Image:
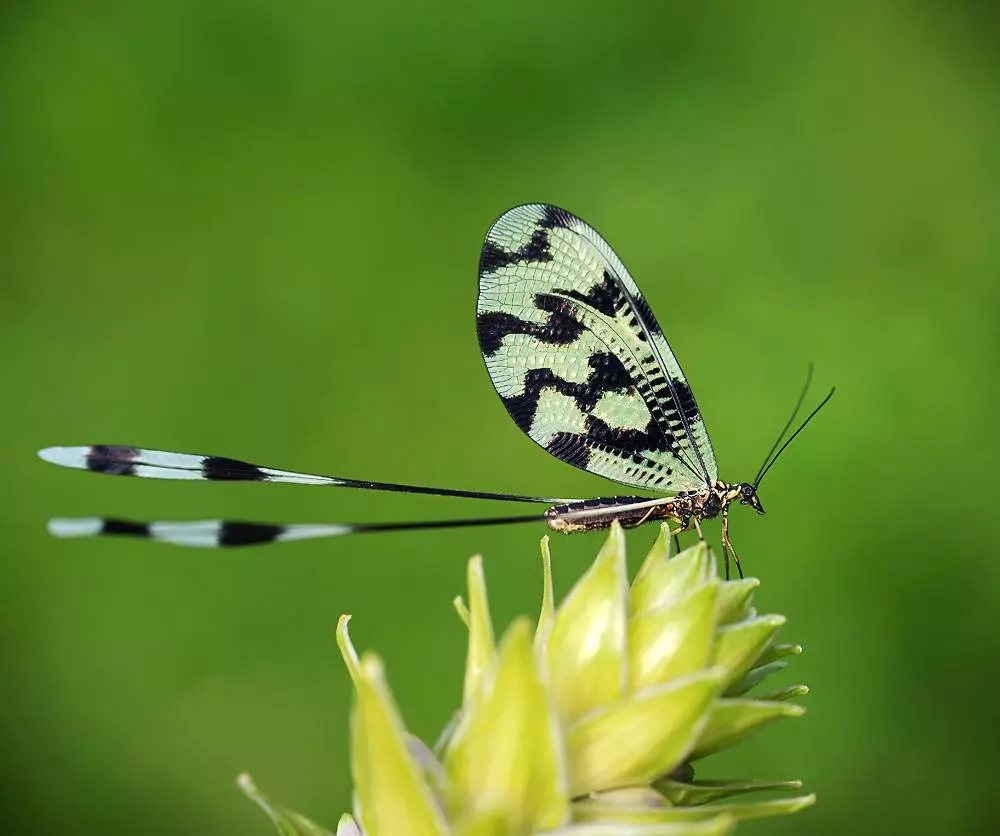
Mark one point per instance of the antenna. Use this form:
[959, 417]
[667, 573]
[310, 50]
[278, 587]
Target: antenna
[791, 438]
[788, 423]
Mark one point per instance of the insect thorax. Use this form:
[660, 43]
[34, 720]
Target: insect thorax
[712, 501]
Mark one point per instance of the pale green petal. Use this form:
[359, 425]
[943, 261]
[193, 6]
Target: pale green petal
[665, 582]
[644, 796]
[430, 766]
[659, 553]
[287, 822]
[347, 651]
[738, 646]
[482, 647]
[461, 609]
[547, 615]
[730, 721]
[773, 652]
[348, 827]
[446, 733]
[754, 677]
[585, 658]
[702, 792]
[392, 797]
[504, 763]
[672, 641]
[482, 824]
[718, 826]
[788, 693]
[640, 737]
[734, 599]
[594, 811]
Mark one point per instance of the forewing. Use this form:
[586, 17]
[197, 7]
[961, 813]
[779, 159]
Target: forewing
[578, 358]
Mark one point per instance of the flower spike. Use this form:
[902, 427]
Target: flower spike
[587, 725]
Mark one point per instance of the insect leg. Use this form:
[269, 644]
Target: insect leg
[736, 558]
[683, 524]
[725, 541]
[727, 546]
[645, 517]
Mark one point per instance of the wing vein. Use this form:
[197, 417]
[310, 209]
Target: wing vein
[665, 433]
[703, 470]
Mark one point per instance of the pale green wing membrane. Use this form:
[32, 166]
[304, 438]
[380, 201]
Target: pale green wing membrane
[578, 358]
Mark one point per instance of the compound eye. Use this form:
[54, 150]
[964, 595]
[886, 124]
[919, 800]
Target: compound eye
[747, 491]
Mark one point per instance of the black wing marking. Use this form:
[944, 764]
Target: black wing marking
[578, 358]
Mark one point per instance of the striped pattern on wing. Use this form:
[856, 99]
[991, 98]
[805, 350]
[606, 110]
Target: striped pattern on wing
[578, 358]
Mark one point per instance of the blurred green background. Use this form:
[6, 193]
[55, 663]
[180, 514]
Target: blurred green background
[253, 229]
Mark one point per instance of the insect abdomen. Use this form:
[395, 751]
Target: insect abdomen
[594, 514]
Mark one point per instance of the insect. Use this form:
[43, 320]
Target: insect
[582, 367]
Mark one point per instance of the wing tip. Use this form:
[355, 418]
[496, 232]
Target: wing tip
[69, 527]
[75, 457]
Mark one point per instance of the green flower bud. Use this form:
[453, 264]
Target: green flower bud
[589, 724]
[586, 657]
